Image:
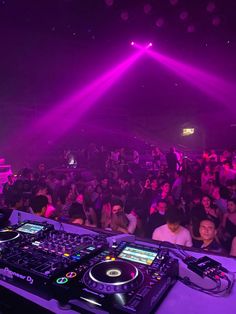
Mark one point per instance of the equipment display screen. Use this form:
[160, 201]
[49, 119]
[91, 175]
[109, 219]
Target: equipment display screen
[138, 255]
[90, 248]
[30, 228]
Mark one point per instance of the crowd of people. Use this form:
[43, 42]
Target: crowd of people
[172, 198]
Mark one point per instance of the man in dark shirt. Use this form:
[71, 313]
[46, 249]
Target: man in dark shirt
[149, 195]
[208, 232]
[172, 160]
[157, 218]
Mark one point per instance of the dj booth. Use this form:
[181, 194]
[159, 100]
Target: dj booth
[52, 267]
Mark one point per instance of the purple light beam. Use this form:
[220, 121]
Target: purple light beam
[221, 90]
[62, 117]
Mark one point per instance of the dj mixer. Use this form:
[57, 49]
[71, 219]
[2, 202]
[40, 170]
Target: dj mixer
[83, 271]
[32, 253]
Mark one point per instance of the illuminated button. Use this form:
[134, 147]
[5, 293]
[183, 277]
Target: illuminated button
[78, 254]
[108, 257]
[75, 258]
[217, 277]
[113, 259]
[158, 278]
[61, 280]
[71, 274]
[66, 254]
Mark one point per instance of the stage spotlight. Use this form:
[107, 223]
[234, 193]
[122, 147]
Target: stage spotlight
[148, 46]
[141, 47]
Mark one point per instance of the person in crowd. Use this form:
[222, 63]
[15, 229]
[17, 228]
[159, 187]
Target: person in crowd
[172, 231]
[65, 198]
[115, 157]
[121, 221]
[225, 156]
[39, 205]
[208, 231]
[50, 211]
[105, 185]
[135, 188]
[165, 194]
[77, 214]
[226, 173]
[234, 165]
[156, 157]
[210, 210]
[42, 170]
[172, 161]
[16, 202]
[177, 186]
[8, 187]
[129, 210]
[205, 156]
[43, 190]
[91, 217]
[206, 176]
[196, 214]
[136, 157]
[137, 211]
[149, 194]
[6, 210]
[213, 156]
[106, 211]
[231, 186]
[228, 227]
[124, 184]
[61, 212]
[157, 217]
[220, 194]
[180, 157]
[233, 247]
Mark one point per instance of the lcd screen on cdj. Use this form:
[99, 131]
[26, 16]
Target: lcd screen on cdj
[138, 255]
[30, 228]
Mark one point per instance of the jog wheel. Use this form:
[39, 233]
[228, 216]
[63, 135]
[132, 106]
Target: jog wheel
[113, 277]
[6, 236]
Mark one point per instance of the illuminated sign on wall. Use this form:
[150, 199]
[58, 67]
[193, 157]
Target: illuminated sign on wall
[188, 131]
